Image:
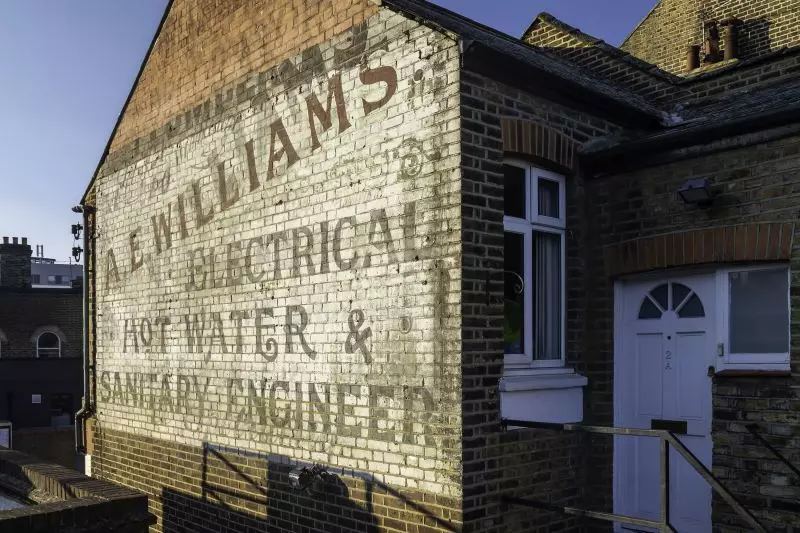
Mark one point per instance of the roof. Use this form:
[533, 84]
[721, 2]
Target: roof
[599, 44]
[469, 30]
[770, 106]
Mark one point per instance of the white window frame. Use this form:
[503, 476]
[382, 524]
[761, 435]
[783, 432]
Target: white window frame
[749, 361]
[533, 222]
[49, 350]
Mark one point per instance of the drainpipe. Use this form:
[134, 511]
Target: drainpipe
[86, 408]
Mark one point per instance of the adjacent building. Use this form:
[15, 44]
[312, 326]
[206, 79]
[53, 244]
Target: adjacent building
[40, 357]
[47, 272]
[340, 253]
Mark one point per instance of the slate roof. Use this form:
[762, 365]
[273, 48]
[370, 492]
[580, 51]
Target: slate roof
[775, 103]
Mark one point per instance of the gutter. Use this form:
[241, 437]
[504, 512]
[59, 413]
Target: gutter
[710, 132]
[87, 407]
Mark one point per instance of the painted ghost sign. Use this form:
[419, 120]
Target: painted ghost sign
[288, 277]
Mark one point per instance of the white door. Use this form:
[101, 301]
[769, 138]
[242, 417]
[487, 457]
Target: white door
[664, 348]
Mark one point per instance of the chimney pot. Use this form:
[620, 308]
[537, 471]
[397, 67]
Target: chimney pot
[730, 39]
[693, 59]
[14, 240]
[24, 240]
[5, 240]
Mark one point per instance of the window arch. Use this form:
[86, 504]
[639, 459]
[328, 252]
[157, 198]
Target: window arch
[670, 296]
[48, 345]
[49, 341]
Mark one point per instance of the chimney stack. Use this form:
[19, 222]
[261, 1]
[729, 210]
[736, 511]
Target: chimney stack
[15, 263]
[730, 39]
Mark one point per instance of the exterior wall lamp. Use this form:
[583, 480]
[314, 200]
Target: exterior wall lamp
[696, 192]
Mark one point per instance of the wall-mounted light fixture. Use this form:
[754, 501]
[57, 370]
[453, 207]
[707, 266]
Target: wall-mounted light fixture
[76, 253]
[697, 192]
[76, 231]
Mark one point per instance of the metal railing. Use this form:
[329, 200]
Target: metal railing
[753, 429]
[666, 439]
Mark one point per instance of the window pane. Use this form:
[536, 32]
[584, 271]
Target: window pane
[548, 198]
[514, 187]
[759, 311]
[692, 309]
[48, 340]
[649, 310]
[546, 293]
[659, 295]
[514, 306]
[679, 294]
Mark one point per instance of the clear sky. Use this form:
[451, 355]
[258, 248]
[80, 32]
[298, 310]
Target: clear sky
[68, 67]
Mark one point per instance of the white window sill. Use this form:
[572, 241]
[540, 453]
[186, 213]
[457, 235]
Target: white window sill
[542, 395]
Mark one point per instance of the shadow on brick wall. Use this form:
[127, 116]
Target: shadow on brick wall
[243, 491]
[754, 38]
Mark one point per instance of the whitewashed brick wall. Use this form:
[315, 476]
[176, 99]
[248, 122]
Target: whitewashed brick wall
[387, 403]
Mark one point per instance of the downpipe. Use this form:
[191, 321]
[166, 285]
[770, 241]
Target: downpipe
[86, 408]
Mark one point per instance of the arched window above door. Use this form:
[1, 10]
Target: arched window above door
[675, 297]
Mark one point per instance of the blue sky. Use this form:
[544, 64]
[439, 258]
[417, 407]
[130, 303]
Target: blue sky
[68, 67]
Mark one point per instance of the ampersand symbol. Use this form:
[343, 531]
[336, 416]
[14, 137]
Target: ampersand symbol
[357, 339]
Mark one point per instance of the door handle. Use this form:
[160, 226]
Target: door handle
[673, 426]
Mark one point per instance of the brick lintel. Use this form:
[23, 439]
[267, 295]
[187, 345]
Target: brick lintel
[753, 242]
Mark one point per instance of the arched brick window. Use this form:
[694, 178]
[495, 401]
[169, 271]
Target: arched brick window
[48, 345]
[49, 342]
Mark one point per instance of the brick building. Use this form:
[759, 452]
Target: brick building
[40, 345]
[339, 242]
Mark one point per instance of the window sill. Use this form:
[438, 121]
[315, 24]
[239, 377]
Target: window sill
[752, 373]
[731, 368]
[551, 395]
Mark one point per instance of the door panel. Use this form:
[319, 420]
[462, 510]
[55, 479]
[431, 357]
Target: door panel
[691, 376]
[689, 492]
[649, 347]
[665, 347]
[646, 493]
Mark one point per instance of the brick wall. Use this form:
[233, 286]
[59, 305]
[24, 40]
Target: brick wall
[60, 499]
[758, 184]
[278, 275]
[543, 465]
[208, 488]
[555, 38]
[664, 36]
[15, 263]
[24, 313]
[246, 35]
